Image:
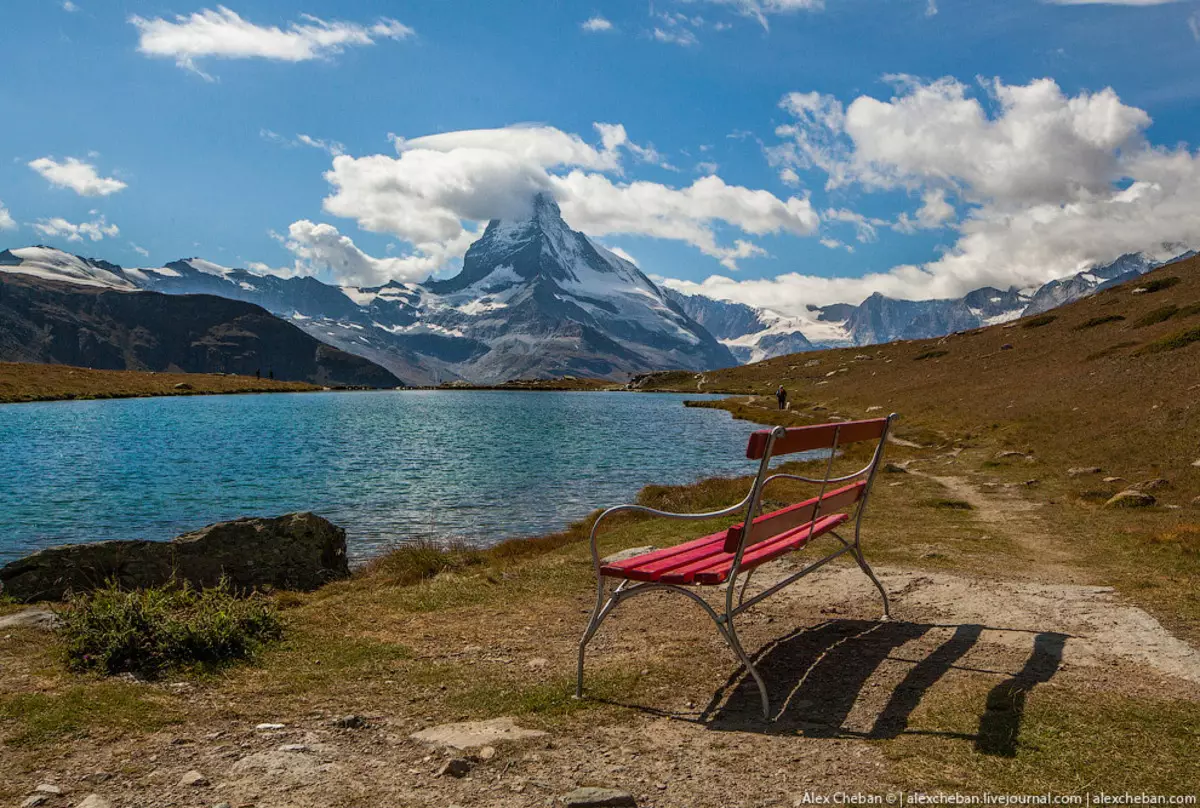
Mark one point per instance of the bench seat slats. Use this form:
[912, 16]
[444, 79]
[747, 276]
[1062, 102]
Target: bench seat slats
[770, 549]
[705, 560]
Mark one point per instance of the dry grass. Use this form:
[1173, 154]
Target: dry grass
[27, 382]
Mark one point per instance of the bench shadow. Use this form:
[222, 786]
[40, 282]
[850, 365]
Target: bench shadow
[816, 676]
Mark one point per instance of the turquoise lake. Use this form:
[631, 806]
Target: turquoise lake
[389, 467]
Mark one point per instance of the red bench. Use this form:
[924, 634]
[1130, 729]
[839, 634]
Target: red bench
[718, 559]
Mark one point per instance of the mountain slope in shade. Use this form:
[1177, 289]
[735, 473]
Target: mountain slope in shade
[90, 325]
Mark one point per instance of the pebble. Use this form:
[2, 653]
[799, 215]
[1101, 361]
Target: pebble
[487, 753]
[47, 788]
[599, 798]
[94, 801]
[269, 727]
[350, 722]
[293, 747]
[193, 778]
[34, 800]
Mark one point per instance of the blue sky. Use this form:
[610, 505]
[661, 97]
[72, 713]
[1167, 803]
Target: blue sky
[930, 148]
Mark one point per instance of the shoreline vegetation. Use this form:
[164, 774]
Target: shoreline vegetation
[22, 382]
[1039, 634]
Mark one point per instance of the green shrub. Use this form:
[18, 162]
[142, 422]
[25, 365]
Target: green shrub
[1157, 285]
[930, 355]
[1110, 350]
[1156, 316]
[152, 631]
[1170, 342]
[1040, 320]
[948, 504]
[410, 563]
[1095, 321]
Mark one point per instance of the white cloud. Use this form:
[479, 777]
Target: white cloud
[6, 220]
[95, 230]
[77, 175]
[1194, 24]
[1044, 184]
[788, 176]
[67, 5]
[223, 34]
[707, 167]
[676, 36]
[596, 24]
[439, 182]
[864, 227]
[142, 251]
[760, 10]
[931, 8]
[321, 246]
[330, 147]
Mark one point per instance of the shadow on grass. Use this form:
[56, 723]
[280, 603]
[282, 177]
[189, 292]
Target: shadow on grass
[816, 676]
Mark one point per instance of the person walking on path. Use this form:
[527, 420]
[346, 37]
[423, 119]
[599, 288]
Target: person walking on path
[781, 397]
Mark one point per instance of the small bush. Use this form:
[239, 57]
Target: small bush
[934, 354]
[1159, 315]
[1157, 285]
[1171, 342]
[1040, 320]
[1095, 321]
[1110, 350]
[152, 631]
[949, 504]
[419, 561]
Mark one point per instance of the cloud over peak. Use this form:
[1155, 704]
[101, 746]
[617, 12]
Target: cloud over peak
[436, 185]
[223, 34]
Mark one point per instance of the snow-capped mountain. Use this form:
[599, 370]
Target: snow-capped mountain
[754, 334]
[534, 299]
[750, 334]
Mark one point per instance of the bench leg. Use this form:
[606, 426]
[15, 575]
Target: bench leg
[598, 614]
[730, 634]
[862, 562]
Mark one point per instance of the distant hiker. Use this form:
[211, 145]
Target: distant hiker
[272, 373]
[258, 373]
[781, 397]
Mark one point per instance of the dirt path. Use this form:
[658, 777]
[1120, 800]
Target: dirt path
[1016, 518]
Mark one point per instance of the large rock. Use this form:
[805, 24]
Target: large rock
[293, 551]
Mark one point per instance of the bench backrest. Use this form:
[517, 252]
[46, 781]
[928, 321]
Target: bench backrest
[850, 489]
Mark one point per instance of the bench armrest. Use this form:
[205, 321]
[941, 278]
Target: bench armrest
[732, 509]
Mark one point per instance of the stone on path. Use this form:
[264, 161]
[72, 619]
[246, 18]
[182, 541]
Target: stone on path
[30, 618]
[48, 788]
[297, 765]
[34, 800]
[349, 722]
[1152, 485]
[94, 801]
[598, 798]
[471, 734]
[1131, 499]
[193, 778]
[1079, 471]
[269, 727]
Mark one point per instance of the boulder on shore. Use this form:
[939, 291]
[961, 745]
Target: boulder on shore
[293, 551]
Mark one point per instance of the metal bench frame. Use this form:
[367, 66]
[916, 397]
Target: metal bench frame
[752, 505]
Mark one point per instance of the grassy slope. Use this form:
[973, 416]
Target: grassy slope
[28, 382]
